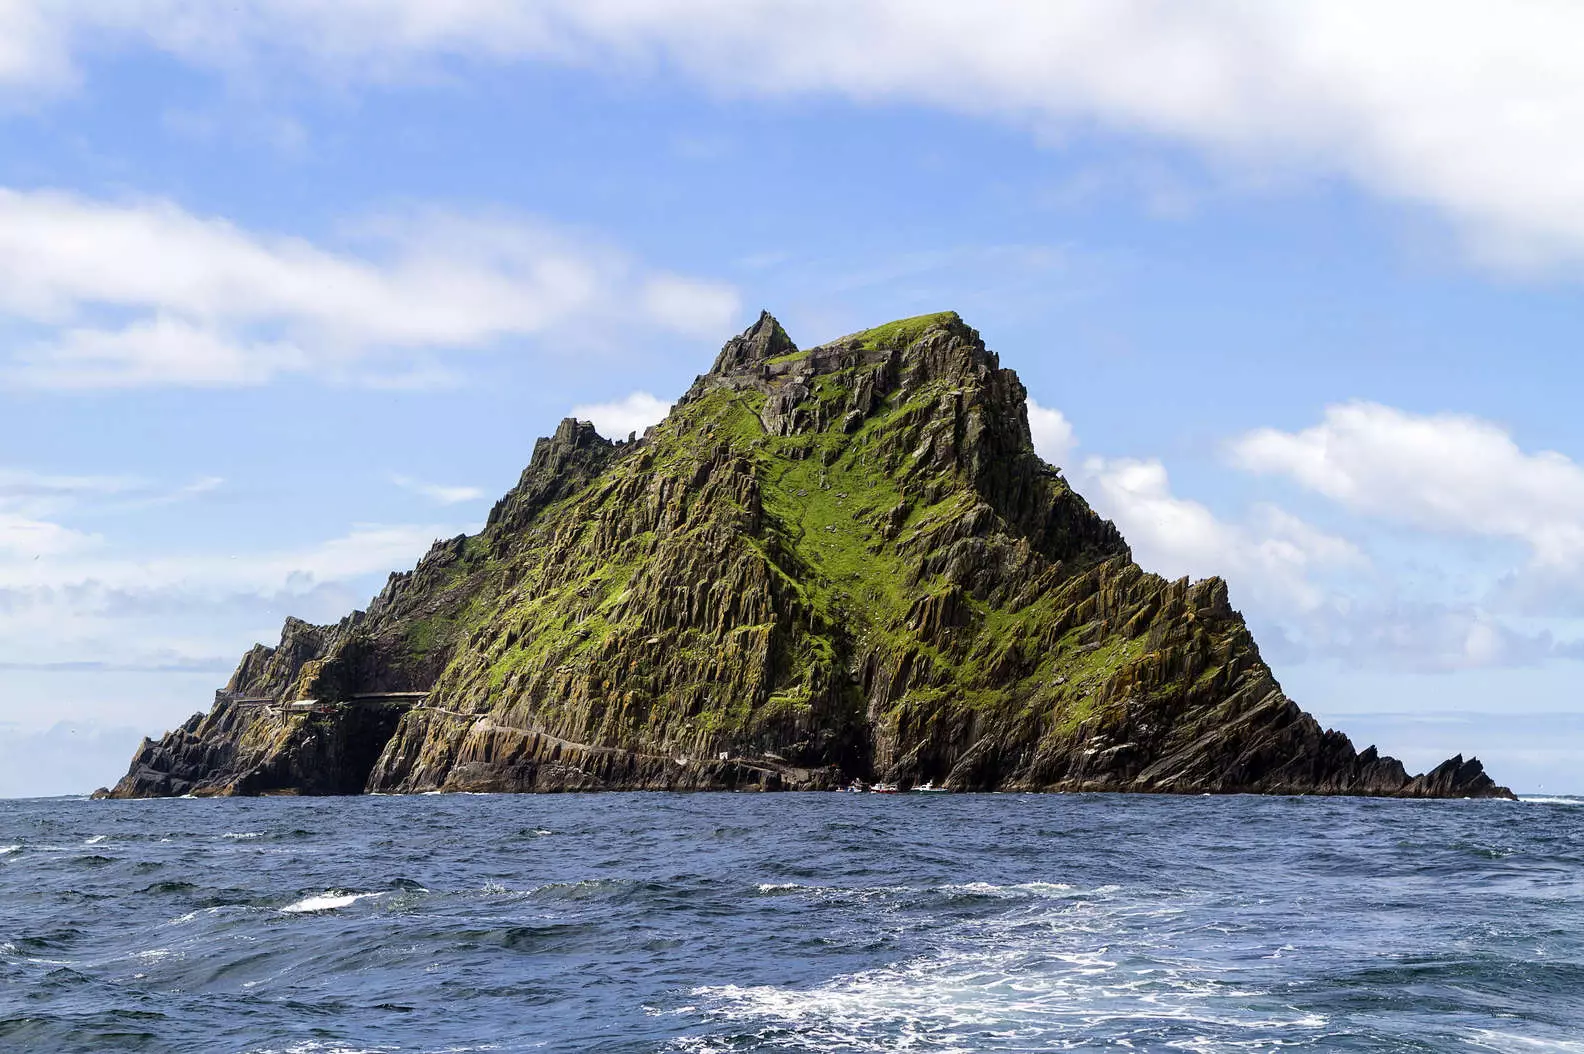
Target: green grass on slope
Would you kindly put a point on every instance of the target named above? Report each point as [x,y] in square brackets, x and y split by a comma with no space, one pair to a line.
[903,331]
[829,500]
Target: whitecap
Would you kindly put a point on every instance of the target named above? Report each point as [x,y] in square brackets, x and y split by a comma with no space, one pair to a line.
[7,850]
[313,1046]
[1511,1043]
[96,839]
[240,835]
[1558,800]
[1054,968]
[327,901]
[1017,889]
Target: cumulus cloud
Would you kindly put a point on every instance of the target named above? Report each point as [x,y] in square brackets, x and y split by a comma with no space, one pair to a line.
[1053,434]
[145,293]
[1313,594]
[1448,473]
[1464,107]
[631,413]
[1273,558]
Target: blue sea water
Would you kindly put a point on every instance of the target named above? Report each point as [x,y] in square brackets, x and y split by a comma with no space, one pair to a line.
[792,922]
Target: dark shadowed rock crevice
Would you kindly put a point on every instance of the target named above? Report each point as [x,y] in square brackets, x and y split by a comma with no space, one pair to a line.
[826,563]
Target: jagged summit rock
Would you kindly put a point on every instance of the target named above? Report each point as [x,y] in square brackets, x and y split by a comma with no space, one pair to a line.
[826,563]
[760,342]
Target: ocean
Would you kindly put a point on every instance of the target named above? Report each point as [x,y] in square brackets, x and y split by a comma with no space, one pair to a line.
[791,922]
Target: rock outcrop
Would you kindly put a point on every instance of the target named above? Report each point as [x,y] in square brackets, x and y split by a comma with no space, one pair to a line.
[839,562]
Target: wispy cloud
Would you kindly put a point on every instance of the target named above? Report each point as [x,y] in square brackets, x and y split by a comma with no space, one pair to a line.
[437,492]
[143,293]
[98,605]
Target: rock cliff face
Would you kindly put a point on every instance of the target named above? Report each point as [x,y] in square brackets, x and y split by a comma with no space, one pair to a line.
[825,563]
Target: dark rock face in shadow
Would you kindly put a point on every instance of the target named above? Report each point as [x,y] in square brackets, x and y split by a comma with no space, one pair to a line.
[839,562]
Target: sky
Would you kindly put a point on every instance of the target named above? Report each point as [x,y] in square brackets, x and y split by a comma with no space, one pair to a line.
[288,290]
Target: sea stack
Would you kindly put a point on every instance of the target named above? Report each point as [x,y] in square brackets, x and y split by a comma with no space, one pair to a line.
[825,564]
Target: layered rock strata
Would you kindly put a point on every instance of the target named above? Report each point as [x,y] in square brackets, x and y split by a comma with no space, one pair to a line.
[839,562]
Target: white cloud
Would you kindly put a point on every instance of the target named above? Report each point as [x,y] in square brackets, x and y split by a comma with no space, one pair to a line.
[1464,106]
[688,305]
[32,46]
[92,602]
[632,413]
[1311,593]
[43,494]
[1053,434]
[1447,473]
[211,304]
[366,549]
[21,536]
[1273,558]
[30,501]
[438,492]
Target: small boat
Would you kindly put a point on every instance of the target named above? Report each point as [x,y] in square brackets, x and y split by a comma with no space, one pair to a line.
[884,788]
[928,787]
[856,787]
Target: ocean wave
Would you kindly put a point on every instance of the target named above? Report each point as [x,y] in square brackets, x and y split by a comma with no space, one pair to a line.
[313,1046]
[969,1001]
[1017,890]
[1511,1043]
[1098,922]
[330,900]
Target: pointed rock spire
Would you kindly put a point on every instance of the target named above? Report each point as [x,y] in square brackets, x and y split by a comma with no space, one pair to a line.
[765,339]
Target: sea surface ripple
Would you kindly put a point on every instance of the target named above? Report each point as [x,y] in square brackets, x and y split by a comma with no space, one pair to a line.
[794,922]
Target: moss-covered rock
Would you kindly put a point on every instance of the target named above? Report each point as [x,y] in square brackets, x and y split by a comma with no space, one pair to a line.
[825,563]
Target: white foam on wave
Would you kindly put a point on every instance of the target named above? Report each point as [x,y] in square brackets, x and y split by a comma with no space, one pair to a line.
[96,839]
[1056,966]
[1511,1043]
[330,900]
[313,1046]
[7,850]
[1558,800]
[1018,890]
[240,836]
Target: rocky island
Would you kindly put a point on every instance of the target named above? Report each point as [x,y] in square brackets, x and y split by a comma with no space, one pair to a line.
[825,564]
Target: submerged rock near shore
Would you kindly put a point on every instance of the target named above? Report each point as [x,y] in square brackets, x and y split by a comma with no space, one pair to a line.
[839,562]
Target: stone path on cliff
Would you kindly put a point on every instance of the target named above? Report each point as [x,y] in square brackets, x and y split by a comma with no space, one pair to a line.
[758,765]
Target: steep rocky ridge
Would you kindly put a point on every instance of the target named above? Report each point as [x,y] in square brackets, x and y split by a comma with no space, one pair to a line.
[825,563]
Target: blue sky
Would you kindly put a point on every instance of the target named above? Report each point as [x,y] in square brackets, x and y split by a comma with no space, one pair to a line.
[288,290]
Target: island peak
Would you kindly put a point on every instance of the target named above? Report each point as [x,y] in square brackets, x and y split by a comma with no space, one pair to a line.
[830,563]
